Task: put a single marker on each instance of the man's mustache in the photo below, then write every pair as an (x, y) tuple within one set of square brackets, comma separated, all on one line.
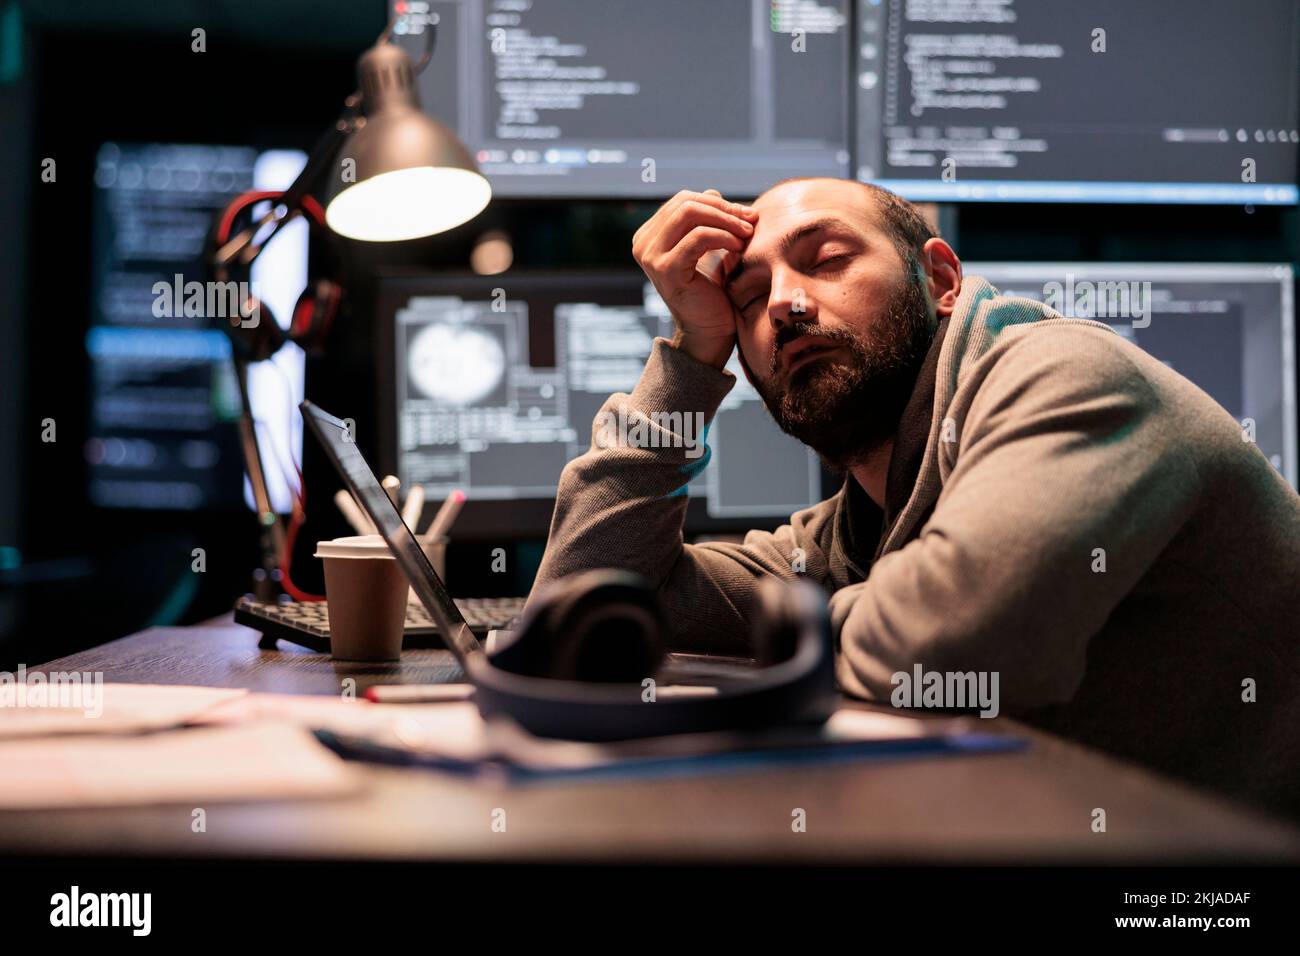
[(797, 330)]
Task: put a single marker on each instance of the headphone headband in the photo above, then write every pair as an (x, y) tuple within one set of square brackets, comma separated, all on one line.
[(317, 306)]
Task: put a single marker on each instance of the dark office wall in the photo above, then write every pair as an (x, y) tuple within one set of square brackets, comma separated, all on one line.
[(16, 95)]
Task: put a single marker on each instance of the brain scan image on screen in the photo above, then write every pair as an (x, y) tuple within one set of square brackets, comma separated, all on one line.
[(456, 365)]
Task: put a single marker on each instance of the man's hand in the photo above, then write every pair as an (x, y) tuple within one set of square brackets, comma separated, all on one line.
[(669, 246)]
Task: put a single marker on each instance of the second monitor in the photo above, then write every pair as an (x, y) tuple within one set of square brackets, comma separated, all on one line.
[(496, 381)]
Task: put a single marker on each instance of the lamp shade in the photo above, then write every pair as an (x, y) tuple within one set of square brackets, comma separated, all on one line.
[(408, 175)]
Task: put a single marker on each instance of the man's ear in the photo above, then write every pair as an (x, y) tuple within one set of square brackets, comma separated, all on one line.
[(943, 275)]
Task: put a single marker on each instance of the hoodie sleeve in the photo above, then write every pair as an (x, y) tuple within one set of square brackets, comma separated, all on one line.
[(622, 505), (1068, 482)]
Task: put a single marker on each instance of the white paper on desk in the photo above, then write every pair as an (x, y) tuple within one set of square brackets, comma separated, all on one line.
[(251, 761), (450, 729), (104, 708)]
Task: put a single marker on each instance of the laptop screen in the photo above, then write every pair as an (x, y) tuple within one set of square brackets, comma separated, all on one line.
[(352, 467)]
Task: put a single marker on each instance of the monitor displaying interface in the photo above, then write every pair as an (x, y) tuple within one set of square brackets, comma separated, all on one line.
[(1229, 328), (1059, 101), (164, 402), (939, 100), (496, 381), (581, 98)]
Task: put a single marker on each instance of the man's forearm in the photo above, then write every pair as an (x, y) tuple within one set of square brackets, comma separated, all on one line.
[(622, 503)]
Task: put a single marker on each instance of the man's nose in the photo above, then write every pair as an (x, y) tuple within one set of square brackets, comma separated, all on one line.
[(789, 301)]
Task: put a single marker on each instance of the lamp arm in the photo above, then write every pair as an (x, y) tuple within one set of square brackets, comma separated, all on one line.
[(323, 153)]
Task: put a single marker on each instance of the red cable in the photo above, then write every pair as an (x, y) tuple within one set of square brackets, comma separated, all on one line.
[(291, 536)]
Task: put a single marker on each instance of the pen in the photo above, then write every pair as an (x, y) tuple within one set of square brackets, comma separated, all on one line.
[(414, 507), (418, 693), (352, 511), (445, 517), (392, 484)]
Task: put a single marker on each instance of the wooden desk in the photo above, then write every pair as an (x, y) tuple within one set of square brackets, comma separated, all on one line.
[(1029, 807)]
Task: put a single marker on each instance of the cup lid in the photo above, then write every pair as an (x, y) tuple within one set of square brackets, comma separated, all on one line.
[(356, 546)]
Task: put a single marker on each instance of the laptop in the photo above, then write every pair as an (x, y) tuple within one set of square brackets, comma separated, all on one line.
[(457, 634)]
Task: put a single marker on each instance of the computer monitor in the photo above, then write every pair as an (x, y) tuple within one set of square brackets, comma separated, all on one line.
[(1162, 101), (164, 402), (1229, 328), (630, 98), (491, 385)]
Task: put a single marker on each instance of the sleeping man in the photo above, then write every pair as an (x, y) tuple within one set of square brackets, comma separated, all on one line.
[(1026, 496)]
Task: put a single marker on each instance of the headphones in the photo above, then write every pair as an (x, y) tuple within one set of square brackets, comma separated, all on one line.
[(581, 663), (314, 312)]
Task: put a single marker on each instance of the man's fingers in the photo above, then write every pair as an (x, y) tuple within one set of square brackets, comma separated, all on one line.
[(693, 214), (735, 208), (683, 258), (710, 197), (684, 212)]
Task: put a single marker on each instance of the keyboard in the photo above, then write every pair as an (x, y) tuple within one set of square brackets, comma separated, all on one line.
[(308, 624)]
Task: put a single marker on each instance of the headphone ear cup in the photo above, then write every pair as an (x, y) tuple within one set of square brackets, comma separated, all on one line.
[(255, 331), (313, 314), (780, 619), (603, 626)]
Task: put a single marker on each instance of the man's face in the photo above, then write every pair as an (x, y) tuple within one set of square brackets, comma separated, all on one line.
[(833, 323)]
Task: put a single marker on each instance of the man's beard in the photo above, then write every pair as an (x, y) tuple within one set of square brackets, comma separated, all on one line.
[(845, 411)]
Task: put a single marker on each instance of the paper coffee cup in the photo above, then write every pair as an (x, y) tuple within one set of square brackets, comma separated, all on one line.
[(366, 590)]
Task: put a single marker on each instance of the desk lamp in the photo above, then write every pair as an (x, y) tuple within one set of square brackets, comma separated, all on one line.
[(394, 173)]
